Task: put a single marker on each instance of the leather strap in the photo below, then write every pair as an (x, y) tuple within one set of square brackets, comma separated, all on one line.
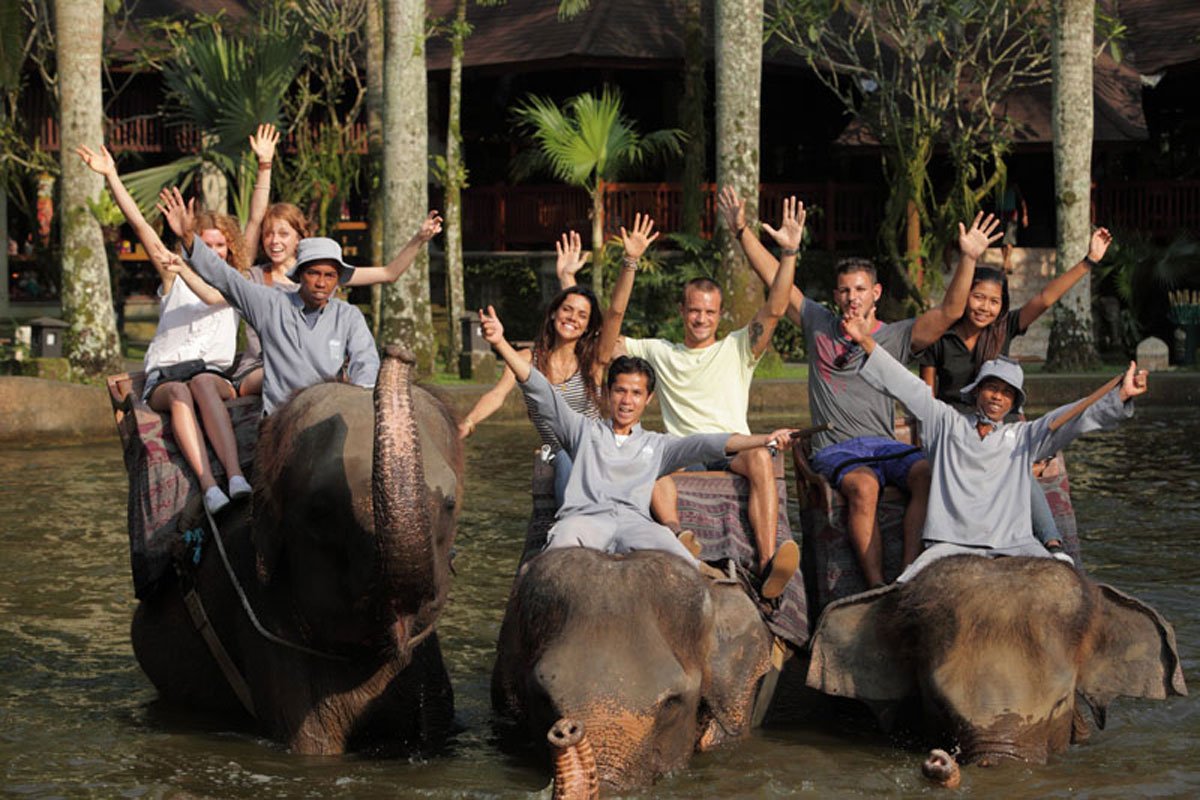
[(195, 608)]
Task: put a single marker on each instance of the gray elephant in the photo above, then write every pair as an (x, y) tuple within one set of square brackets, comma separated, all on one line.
[(342, 558), (999, 651), (637, 659)]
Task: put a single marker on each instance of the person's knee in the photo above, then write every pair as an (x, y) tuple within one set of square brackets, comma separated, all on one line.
[(203, 386), (860, 486), (920, 475), (176, 392)]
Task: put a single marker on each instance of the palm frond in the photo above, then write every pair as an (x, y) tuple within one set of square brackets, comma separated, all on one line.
[(144, 185)]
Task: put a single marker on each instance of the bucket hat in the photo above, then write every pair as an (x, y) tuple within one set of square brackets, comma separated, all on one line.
[(1007, 370), (319, 248)]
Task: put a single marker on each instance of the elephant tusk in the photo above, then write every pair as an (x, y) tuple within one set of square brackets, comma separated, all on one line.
[(941, 768), (574, 762)]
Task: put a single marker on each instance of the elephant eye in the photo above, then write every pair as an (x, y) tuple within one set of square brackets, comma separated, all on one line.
[(670, 703)]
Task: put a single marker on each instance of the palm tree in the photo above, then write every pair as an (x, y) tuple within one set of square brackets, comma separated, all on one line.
[(406, 315), (91, 342), (738, 34), (1071, 343), (224, 87), (588, 143)]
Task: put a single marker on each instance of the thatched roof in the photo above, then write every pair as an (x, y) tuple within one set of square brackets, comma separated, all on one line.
[(1162, 33)]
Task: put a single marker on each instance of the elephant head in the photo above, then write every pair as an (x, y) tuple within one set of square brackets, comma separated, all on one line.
[(354, 509), (639, 650), (998, 650)]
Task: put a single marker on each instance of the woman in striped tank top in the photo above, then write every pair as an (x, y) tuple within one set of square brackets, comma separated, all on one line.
[(569, 349)]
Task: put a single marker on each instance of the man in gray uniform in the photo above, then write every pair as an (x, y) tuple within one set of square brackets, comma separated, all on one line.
[(307, 335), (607, 502), (982, 466)]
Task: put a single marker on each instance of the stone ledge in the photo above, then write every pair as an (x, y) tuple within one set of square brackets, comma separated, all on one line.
[(35, 410)]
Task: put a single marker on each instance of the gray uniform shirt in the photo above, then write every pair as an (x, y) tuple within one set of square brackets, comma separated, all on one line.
[(837, 393), (295, 356), (610, 477), (980, 488)]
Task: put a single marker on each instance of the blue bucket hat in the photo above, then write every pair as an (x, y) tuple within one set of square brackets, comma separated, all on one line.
[(1007, 370), (319, 248)]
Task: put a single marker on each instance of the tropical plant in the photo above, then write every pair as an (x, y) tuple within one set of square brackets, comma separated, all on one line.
[(587, 143), (222, 85)]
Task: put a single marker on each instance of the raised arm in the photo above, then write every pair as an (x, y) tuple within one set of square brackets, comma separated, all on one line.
[(181, 217), (1055, 289), (1103, 408), (365, 276), (972, 243), (571, 258), (262, 144), (103, 164), (885, 373), (493, 334), (765, 265), (636, 242), (491, 400), (788, 237)]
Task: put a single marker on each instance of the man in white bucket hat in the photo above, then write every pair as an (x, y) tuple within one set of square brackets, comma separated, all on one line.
[(308, 336), (982, 465)]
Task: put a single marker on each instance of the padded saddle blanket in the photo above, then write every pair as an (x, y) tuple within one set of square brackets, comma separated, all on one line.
[(713, 505)]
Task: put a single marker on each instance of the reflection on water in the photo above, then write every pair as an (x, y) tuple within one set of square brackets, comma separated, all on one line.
[(78, 718)]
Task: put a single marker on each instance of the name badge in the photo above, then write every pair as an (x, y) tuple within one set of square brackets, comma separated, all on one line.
[(335, 349)]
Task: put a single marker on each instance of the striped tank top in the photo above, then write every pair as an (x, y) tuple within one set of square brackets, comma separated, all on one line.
[(574, 392)]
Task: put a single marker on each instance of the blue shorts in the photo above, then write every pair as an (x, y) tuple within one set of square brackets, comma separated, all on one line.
[(888, 459)]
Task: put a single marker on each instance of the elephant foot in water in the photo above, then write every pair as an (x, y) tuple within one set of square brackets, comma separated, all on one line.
[(574, 763), (942, 769)]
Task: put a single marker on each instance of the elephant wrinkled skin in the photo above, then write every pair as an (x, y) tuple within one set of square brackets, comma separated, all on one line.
[(998, 651), (652, 659), (344, 549)]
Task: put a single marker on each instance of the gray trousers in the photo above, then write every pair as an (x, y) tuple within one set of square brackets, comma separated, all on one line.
[(615, 532), (938, 550)]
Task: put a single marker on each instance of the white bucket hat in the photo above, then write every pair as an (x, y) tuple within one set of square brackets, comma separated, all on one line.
[(1007, 370), (319, 248)]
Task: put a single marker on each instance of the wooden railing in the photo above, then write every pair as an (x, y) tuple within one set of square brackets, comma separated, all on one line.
[(531, 217), (1159, 209)]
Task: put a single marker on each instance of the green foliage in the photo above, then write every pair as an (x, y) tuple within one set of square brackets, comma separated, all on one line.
[(322, 174), (105, 210), (925, 77), (510, 284), (586, 141), (1140, 273)]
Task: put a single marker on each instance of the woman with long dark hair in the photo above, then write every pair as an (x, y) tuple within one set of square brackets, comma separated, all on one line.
[(984, 332), (569, 348)]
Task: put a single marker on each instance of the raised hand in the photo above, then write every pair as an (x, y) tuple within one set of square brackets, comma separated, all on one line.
[(180, 216), (1098, 246), (431, 226), (493, 330), (101, 162), (856, 329), (640, 238), (974, 242), (733, 209), (571, 257), (167, 260), (791, 230), (263, 143), (1134, 383)]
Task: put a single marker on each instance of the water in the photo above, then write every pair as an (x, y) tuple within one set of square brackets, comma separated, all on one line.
[(78, 719)]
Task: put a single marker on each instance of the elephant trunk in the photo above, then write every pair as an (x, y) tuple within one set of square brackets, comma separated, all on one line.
[(941, 768), (399, 495), (574, 763)]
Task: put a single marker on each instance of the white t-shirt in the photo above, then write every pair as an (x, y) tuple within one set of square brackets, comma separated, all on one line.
[(189, 328), (701, 390)]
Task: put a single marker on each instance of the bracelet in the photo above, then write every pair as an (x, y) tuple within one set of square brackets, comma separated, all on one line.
[(630, 262), (790, 251), (264, 164), (1091, 262)]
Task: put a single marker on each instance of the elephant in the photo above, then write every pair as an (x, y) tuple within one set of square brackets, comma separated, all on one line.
[(999, 652), (341, 555), (638, 655)]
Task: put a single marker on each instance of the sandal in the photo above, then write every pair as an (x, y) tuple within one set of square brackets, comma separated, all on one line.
[(779, 570)]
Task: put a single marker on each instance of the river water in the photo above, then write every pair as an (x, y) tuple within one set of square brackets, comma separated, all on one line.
[(78, 719)]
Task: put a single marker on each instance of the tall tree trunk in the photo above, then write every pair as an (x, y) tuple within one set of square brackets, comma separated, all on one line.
[(406, 315), (738, 46), (1071, 342), (598, 238), (374, 50), (691, 116), (455, 178), (91, 342)]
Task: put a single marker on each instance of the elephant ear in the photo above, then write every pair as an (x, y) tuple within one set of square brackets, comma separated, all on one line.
[(739, 657), (267, 535), (855, 653), (1133, 654)]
